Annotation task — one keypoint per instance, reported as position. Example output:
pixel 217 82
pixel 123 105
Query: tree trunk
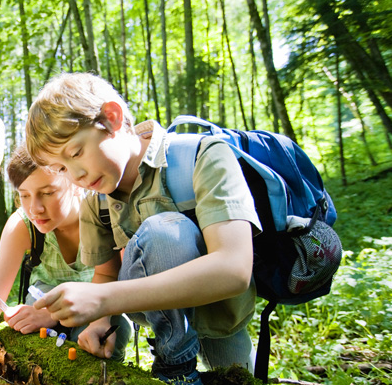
pixel 190 60
pixel 149 61
pixel 205 86
pixel 221 100
pixel 253 79
pixel 59 39
pixel 164 65
pixel 107 48
pixel 83 41
pixel 339 122
pixel 26 54
pixel 352 105
pixel 117 57
pixel 70 39
pixel 272 76
pixel 124 52
pixel 90 36
pixel 237 87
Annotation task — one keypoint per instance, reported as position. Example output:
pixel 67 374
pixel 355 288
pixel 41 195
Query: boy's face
pixel 92 159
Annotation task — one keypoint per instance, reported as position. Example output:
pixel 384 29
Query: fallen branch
pixel 289 381
pixel 363 367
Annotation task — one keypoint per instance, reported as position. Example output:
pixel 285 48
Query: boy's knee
pixel 163 241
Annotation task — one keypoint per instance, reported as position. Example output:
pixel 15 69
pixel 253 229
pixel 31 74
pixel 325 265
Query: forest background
pixel 315 70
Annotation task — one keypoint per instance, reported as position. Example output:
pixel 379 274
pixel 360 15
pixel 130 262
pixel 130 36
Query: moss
pixel 25 352
pixel 31 350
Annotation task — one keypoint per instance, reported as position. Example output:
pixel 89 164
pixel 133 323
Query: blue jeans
pixel 164 241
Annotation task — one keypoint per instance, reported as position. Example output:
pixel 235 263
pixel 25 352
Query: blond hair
pixel 68 103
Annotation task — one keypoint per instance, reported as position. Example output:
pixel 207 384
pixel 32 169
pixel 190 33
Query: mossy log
pixel 31 360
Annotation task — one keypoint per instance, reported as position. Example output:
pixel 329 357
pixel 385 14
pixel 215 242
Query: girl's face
pixel 48 200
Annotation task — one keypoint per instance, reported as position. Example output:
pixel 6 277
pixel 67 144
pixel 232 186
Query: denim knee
pixel 163 241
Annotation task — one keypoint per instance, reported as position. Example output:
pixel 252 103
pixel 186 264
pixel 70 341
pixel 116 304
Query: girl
pixel 52 204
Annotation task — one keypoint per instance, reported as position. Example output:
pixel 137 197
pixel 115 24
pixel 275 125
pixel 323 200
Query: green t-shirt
pixel 53 270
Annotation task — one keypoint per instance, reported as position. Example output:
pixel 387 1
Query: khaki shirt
pixel 221 194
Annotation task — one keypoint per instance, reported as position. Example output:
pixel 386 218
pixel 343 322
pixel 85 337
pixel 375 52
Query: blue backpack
pixel 297 253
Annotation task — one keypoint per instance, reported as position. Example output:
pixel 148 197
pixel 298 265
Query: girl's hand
pixel 26 319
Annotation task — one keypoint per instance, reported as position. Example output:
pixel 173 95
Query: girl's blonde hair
pixel 20 166
pixel 68 103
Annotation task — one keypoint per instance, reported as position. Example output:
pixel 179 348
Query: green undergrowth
pixel 350 326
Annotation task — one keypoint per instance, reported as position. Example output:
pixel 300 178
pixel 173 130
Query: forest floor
pixel 343 338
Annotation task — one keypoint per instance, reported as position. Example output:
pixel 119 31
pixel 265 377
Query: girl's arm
pixel 15 240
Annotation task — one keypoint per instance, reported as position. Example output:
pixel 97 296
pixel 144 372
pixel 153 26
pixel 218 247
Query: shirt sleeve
pixel 220 187
pixel 97 241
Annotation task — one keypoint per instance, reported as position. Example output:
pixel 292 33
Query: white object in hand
pixel 3 306
pixel 36 293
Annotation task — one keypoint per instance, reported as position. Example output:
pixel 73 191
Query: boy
pixel 191 284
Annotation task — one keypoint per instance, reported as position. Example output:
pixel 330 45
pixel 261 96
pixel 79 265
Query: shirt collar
pixel 155 155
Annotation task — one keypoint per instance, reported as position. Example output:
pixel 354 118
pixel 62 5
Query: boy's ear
pixel 113 116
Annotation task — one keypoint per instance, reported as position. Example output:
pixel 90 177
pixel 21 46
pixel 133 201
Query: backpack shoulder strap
pixel 30 260
pixel 104 215
pixel 181 158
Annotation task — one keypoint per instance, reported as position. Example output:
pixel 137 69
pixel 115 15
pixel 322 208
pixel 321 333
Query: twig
pixel 293 382
pixel 6 380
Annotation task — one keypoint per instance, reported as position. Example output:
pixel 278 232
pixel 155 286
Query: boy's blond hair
pixel 68 103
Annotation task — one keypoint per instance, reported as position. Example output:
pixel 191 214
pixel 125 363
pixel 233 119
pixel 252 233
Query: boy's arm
pixel 222 273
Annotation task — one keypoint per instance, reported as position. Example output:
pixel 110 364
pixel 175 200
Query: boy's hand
pixel 89 339
pixel 26 319
pixel 73 303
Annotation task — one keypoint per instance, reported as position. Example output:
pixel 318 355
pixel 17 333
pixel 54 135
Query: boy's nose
pixel 77 173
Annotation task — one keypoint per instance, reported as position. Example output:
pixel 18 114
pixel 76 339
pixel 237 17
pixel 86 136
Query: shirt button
pixel 118 206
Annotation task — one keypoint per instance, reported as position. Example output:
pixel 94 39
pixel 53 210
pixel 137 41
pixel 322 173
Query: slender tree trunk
pixel 352 105
pixel 59 39
pixel 118 67
pixel 190 60
pixel 164 65
pixel 253 79
pixel 124 52
pixel 237 87
pixel 205 86
pixel 90 36
pixel 272 76
pixel 83 41
pixel 26 54
pixel 70 39
pixel 339 121
pixel 222 101
pixel 107 47
pixel 149 61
